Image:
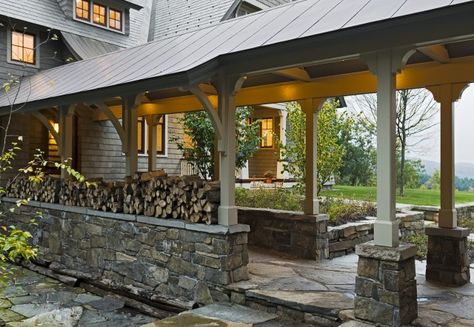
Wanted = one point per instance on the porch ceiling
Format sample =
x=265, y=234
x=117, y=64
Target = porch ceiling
x=304, y=49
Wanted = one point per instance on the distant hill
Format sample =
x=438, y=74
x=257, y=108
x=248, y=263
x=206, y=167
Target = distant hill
x=463, y=169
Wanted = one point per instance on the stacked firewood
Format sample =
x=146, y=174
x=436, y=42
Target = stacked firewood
x=152, y=194
x=21, y=188
x=74, y=193
x=48, y=190
x=106, y=196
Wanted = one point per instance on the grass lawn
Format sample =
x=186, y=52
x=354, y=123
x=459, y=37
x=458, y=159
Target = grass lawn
x=418, y=197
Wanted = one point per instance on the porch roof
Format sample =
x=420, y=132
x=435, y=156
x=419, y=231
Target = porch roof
x=298, y=34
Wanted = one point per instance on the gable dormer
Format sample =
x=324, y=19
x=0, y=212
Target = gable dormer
x=113, y=15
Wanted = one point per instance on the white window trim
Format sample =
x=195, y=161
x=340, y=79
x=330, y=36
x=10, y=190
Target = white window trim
x=145, y=144
x=22, y=63
x=91, y=22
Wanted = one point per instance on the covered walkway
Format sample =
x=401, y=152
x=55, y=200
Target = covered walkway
x=323, y=293
x=305, y=51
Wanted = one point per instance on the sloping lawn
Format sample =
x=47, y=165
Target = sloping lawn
x=417, y=197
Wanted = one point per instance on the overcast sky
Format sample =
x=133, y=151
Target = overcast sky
x=464, y=132
x=464, y=136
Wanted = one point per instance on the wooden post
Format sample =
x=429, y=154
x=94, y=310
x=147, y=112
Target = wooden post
x=151, y=121
x=130, y=120
x=227, y=212
x=66, y=130
x=311, y=108
x=386, y=225
x=446, y=95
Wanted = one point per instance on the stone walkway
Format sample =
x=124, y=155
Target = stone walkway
x=326, y=289
x=36, y=300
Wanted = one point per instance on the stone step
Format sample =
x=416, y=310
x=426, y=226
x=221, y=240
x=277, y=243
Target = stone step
x=324, y=303
x=219, y=314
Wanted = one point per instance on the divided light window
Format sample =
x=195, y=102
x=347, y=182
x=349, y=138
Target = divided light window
x=115, y=19
x=99, y=14
x=160, y=136
x=141, y=135
x=83, y=9
x=23, y=47
x=142, y=139
x=266, y=132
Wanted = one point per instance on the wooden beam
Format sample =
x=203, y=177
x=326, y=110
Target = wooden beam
x=298, y=74
x=45, y=121
x=437, y=52
x=413, y=76
x=105, y=110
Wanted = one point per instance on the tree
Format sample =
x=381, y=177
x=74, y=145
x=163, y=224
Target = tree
x=360, y=160
x=198, y=149
x=435, y=180
x=330, y=152
x=15, y=242
x=414, y=120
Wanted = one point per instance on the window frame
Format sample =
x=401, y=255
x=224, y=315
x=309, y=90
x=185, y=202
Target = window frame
x=89, y=11
x=106, y=26
x=36, y=57
x=121, y=19
x=144, y=137
x=106, y=16
x=260, y=122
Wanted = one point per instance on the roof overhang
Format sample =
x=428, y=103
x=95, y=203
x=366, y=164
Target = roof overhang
x=340, y=46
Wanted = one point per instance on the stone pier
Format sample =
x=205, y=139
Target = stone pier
x=448, y=261
x=385, y=284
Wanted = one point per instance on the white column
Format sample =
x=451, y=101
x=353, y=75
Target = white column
x=152, y=135
x=446, y=95
x=130, y=119
x=386, y=225
x=227, y=212
x=311, y=108
x=66, y=130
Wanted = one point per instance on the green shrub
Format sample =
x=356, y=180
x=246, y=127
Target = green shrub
x=421, y=241
x=342, y=211
x=281, y=199
x=467, y=223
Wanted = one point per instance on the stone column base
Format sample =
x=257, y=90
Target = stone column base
x=386, y=285
x=447, y=260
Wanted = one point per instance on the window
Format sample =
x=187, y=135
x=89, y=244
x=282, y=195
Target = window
x=160, y=136
x=83, y=9
x=115, y=19
x=142, y=133
x=23, y=47
x=99, y=14
x=266, y=132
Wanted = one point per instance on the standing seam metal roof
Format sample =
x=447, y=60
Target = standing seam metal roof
x=181, y=53
x=48, y=13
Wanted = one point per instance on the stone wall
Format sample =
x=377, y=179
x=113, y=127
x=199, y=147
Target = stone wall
x=344, y=238
x=155, y=259
x=287, y=232
x=464, y=211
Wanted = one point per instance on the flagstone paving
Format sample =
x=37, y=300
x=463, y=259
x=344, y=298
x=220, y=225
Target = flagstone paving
x=321, y=288
x=327, y=288
x=36, y=300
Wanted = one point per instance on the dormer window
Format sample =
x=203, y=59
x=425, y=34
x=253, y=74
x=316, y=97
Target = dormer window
x=99, y=14
x=83, y=9
x=23, y=47
x=115, y=19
